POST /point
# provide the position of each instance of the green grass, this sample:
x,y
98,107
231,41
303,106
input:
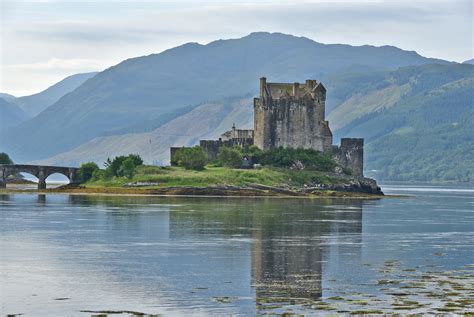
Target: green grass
x,y
177,176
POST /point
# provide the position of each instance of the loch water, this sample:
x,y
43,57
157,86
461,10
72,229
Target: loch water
x,y
68,255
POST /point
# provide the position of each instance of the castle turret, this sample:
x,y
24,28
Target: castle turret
x,y
263,86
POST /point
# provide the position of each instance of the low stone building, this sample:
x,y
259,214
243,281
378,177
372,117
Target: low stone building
x,y
234,134
290,116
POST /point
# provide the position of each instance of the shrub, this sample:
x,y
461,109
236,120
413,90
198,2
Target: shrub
x,y
86,171
99,175
193,158
230,157
286,157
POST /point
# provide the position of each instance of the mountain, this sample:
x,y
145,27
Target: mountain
x,y
7,97
142,89
36,103
469,61
417,123
10,115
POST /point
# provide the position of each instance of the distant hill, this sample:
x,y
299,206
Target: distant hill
x,y
417,123
10,115
469,61
36,103
141,89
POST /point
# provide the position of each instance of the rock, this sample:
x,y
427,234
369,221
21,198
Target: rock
x,y
354,185
141,184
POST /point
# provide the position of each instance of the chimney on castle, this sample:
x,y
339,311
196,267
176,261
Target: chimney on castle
x,y
296,90
263,84
310,84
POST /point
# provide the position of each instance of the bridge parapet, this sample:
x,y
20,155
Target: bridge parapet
x,y
40,171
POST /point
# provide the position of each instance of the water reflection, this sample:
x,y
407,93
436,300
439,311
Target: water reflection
x,y
288,252
222,256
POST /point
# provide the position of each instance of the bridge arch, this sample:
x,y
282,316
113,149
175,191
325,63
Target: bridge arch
x,y
57,178
29,175
39,171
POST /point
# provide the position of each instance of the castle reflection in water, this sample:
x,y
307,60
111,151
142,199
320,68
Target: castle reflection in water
x,y
288,241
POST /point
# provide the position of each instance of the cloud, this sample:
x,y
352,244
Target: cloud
x,y
98,34
57,64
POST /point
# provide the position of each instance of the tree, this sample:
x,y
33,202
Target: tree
x,y
230,157
127,168
137,160
113,166
86,171
191,158
5,159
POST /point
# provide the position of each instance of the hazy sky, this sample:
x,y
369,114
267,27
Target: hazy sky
x,y
42,42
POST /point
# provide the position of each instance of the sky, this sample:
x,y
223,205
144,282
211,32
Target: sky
x,y
43,41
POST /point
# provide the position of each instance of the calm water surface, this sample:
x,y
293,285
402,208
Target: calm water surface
x,y
64,255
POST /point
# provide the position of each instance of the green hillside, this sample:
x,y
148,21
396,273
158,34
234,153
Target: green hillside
x,y
425,133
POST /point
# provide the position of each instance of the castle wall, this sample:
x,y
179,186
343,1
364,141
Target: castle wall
x,y
211,147
351,155
261,125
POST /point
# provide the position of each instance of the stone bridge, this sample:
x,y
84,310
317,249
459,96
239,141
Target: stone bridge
x,y
40,171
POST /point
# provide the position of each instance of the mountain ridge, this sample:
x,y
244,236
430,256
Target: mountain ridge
x,y
145,87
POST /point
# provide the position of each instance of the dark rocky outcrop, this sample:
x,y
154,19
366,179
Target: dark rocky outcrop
x,y
351,185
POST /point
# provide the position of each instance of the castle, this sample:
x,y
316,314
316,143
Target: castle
x,y
290,116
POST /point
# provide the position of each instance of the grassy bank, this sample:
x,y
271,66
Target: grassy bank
x,y
211,176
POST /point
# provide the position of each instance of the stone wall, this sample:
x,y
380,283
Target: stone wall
x,y
351,155
211,147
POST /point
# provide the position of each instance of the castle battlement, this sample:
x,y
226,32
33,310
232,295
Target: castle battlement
x,y
310,89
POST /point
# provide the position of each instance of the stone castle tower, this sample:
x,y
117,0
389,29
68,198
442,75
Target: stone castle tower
x,y
291,115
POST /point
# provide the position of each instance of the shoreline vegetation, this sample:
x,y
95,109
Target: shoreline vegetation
x,y
224,181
